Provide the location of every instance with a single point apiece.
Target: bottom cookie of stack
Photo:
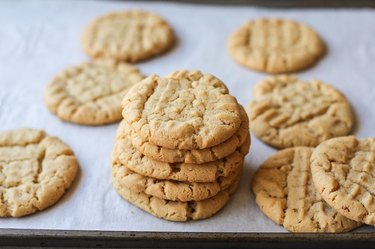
(169, 199)
(176, 210)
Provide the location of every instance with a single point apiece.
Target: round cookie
(196, 156)
(288, 112)
(275, 45)
(174, 210)
(286, 194)
(131, 36)
(171, 190)
(185, 110)
(344, 174)
(35, 171)
(91, 93)
(126, 154)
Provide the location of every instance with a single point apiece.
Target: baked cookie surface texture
(276, 45)
(128, 155)
(130, 36)
(343, 172)
(35, 171)
(285, 192)
(185, 110)
(287, 112)
(91, 93)
(197, 156)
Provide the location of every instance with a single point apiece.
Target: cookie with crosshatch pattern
(276, 45)
(130, 36)
(285, 192)
(91, 93)
(184, 110)
(343, 173)
(287, 112)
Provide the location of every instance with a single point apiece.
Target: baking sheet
(40, 38)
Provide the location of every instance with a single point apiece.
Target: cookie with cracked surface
(175, 210)
(126, 154)
(285, 192)
(288, 112)
(171, 190)
(131, 36)
(241, 139)
(91, 93)
(35, 171)
(276, 45)
(184, 110)
(343, 172)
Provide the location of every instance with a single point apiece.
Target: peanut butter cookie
(131, 36)
(126, 154)
(344, 174)
(286, 194)
(35, 171)
(288, 112)
(276, 45)
(175, 210)
(185, 110)
(91, 93)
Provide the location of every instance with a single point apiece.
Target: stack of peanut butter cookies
(180, 148)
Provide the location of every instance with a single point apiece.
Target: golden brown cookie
(174, 210)
(275, 45)
(185, 110)
(126, 154)
(288, 112)
(286, 194)
(131, 36)
(35, 171)
(171, 190)
(240, 140)
(344, 174)
(91, 93)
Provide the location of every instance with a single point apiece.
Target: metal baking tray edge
(284, 3)
(114, 239)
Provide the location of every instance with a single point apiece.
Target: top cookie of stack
(179, 150)
(185, 110)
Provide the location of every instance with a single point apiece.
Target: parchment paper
(40, 38)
